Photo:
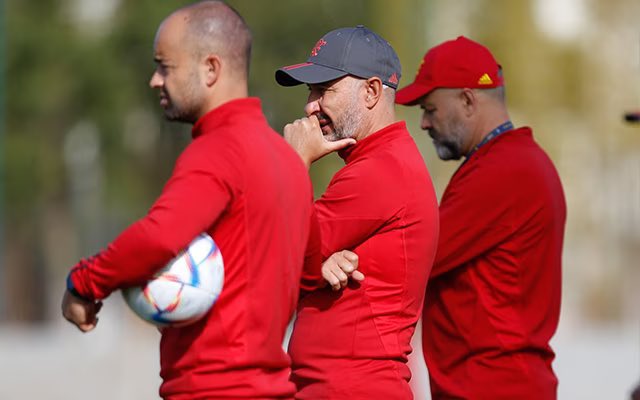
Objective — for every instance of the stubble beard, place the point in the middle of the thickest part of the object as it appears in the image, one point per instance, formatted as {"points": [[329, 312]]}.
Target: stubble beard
{"points": [[186, 108], [450, 147], [347, 125]]}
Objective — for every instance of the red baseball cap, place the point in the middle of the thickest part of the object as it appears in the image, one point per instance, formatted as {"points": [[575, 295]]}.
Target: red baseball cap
{"points": [[459, 63]]}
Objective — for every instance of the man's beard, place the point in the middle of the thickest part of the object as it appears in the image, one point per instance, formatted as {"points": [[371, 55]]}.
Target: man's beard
{"points": [[347, 124], [450, 147], [187, 107]]}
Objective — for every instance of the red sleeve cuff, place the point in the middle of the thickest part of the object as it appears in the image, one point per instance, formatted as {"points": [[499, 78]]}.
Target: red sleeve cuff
{"points": [[71, 287], [78, 281]]}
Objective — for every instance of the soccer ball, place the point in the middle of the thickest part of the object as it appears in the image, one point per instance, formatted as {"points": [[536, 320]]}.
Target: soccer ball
{"points": [[184, 290]]}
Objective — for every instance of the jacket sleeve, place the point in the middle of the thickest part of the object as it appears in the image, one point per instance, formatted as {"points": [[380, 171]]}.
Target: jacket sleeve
{"points": [[312, 271], [192, 200], [352, 209]]}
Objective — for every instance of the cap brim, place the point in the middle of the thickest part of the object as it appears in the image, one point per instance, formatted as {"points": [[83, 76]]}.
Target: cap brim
{"points": [[410, 94], [308, 73]]}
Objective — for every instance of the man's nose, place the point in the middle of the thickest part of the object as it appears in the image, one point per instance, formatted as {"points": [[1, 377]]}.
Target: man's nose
{"points": [[312, 107], [155, 81], [425, 123]]}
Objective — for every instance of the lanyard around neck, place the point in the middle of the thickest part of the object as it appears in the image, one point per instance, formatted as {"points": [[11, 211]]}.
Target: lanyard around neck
{"points": [[506, 126]]}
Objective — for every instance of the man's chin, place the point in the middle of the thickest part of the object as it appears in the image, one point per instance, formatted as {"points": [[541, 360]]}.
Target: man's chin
{"points": [[172, 118], [330, 136], [446, 154], [178, 117]]}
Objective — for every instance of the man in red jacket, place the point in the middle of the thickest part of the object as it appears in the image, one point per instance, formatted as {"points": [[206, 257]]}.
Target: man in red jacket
{"points": [[240, 182], [494, 292], [353, 343]]}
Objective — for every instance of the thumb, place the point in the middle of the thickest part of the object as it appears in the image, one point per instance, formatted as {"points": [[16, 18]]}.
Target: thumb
{"points": [[357, 275], [340, 144], [86, 327]]}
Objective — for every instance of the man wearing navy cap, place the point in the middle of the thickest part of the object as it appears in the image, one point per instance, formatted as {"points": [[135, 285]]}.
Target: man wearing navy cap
{"points": [[352, 342], [494, 292]]}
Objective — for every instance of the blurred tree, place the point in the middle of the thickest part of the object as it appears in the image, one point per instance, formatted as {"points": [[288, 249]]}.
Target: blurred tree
{"points": [[2, 148], [34, 91], [62, 73]]}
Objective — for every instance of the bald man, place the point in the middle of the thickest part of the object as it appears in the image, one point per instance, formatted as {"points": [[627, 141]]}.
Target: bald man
{"points": [[240, 182]]}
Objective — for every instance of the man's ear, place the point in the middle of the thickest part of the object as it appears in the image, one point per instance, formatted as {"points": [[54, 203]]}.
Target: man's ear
{"points": [[212, 67], [373, 91], [469, 100]]}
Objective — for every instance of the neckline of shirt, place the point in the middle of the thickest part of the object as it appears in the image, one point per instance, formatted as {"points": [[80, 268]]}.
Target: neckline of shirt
{"points": [[250, 107], [373, 140]]}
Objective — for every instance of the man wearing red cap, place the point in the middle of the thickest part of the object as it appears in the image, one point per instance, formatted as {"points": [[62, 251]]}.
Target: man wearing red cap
{"points": [[494, 292], [353, 343]]}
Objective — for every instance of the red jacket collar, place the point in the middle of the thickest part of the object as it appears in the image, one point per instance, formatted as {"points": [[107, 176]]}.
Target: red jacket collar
{"points": [[249, 107], [376, 139]]}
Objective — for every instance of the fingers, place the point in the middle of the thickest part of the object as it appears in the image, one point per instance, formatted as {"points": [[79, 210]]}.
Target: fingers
{"points": [[341, 266], [336, 278], [358, 276], [353, 262], [90, 320], [313, 119], [291, 129], [351, 256], [348, 261], [88, 327], [307, 139], [80, 312], [339, 144], [302, 128]]}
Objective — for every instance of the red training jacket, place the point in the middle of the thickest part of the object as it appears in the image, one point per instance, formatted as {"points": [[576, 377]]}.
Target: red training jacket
{"points": [[243, 184], [353, 344], [494, 293]]}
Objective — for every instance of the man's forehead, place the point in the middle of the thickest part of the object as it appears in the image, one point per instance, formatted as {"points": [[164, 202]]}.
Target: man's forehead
{"points": [[171, 31], [167, 44], [427, 99], [159, 51], [438, 95]]}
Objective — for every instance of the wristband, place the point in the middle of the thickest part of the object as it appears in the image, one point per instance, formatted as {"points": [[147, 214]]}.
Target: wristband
{"points": [[73, 290]]}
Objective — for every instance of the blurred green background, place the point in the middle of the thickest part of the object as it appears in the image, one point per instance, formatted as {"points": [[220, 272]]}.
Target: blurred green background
{"points": [[84, 148]]}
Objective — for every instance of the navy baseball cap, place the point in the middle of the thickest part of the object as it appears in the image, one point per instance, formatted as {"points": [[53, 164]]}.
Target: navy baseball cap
{"points": [[346, 51]]}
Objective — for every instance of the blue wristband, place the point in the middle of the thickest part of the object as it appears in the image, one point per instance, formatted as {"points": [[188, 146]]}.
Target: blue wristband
{"points": [[73, 290]]}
